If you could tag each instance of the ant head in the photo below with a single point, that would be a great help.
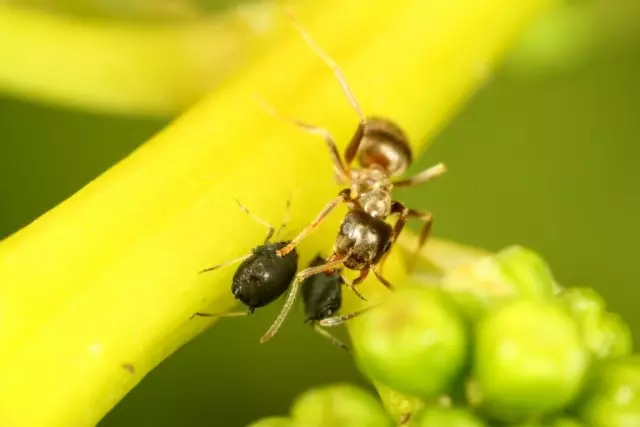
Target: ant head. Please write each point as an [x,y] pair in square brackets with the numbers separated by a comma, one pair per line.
[384,145]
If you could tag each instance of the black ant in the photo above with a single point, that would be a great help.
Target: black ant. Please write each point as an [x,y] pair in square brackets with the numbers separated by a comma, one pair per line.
[263,276]
[322,297]
[364,238]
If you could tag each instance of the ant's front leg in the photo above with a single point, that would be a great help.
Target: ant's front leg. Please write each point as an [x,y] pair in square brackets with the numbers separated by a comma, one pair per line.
[344,196]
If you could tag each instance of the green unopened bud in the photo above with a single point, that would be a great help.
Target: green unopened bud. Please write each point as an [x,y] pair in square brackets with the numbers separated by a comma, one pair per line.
[529,358]
[605,334]
[565,422]
[415,343]
[445,417]
[612,394]
[615,338]
[339,405]
[272,422]
[482,285]
[526,271]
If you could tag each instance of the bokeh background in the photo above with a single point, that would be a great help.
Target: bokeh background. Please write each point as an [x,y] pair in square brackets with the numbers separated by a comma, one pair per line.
[546,155]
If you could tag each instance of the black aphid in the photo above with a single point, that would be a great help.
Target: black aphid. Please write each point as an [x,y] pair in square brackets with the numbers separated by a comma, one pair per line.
[262,277]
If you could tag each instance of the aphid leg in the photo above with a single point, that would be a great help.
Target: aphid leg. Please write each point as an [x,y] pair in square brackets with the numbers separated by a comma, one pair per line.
[351,285]
[344,196]
[339,320]
[259,220]
[338,166]
[224,264]
[382,279]
[335,341]
[424,176]
[331,63]
[285,220]
[329,266]
[227,314]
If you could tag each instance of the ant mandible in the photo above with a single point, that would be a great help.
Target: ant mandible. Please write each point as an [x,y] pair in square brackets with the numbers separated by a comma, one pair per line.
[364,239]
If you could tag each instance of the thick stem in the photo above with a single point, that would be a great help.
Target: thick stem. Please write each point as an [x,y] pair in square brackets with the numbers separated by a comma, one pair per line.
[101,289]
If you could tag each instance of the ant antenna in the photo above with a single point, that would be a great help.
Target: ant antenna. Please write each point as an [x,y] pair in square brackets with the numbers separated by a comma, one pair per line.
[330,62]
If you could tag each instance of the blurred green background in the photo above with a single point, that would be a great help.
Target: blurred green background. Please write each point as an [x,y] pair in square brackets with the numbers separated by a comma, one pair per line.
[546,155]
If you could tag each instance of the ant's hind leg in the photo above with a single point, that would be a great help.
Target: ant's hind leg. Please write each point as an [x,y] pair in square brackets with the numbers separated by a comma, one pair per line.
[338,166]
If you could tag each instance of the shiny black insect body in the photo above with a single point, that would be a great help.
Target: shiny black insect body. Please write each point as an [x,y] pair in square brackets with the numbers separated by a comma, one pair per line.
[322,293]
[364,238]
[322,298]
[262,276]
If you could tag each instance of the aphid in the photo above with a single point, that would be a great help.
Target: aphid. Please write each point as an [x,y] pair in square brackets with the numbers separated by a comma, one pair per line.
[322,297]
[263,276]
[364,239]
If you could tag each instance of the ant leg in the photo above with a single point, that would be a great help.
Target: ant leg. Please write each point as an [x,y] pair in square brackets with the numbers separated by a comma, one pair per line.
[335,341]
[329,266]
[257,219]
[352,285]
[331,64]
[233,261]
[354,144]
[338,166]
[382,279]
[343,197]
[285,220]
[229,314]
[352,148]
[339,320]
[396,208]
[424,176]
[427,217]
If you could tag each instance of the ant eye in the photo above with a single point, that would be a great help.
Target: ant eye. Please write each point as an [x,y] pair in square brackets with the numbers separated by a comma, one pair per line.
[387,246]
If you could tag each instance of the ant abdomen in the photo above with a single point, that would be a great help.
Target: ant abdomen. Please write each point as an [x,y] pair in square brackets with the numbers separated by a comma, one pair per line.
[385,145]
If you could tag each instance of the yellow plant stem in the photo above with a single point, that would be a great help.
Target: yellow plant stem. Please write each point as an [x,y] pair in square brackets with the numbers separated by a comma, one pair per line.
[151,68]
[99,290]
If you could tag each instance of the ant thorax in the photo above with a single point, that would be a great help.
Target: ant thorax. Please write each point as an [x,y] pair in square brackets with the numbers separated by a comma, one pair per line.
[371,188]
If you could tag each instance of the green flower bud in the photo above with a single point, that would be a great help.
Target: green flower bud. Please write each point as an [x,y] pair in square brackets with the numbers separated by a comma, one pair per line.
[614,338]
[445,417]
[415,343]
[605,334]
[566,422]
[272,422]
[338,405]
[529,358]
[482,285]
[526,271]
[612,395]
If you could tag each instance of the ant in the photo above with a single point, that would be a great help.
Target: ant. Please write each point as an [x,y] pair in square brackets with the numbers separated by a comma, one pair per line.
[322,297]
[263,276]
[364,238]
